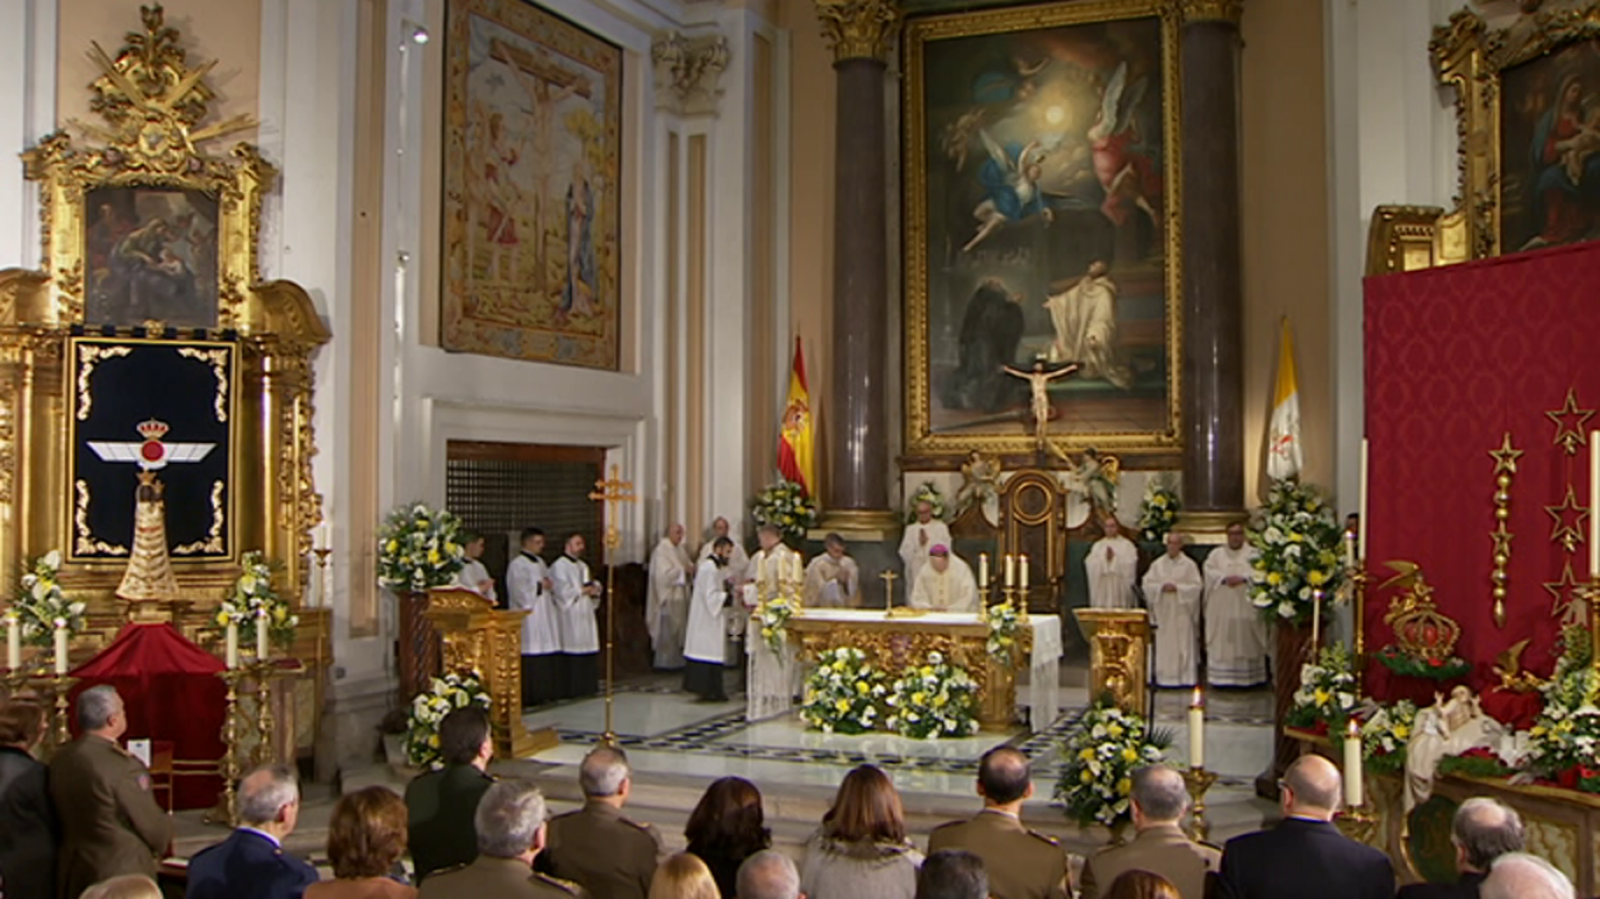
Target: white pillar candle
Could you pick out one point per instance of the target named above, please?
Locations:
(323, 540)
(1352, 766)
(1361, 510)
(1594, 504)
(797, 572)
(1350, 550)
(262, 649)
(1316, 621)
(1197, 731)
(1011, 571)
(61, 651)
(1022, 566)
(983, 571)
(13, 642)
(232, 655)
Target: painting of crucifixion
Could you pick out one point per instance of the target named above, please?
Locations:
(531, 205)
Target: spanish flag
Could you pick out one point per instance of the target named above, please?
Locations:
(1284, 457)
(796, 440)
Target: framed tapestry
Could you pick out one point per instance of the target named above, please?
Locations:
(532, 165)
(1041, 227)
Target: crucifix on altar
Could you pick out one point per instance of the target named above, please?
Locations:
(611, 490)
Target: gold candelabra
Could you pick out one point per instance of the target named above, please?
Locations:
(229, 800)
(1359, 823)
(57, 686)
(261, 671)
(611, 491)
(1199, 781)
(1358, 612)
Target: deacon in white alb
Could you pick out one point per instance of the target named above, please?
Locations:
(921, 535)
(1111, 567)
(666, 611)
(1172, 588)
(577, 597)
(832, 579)
(473, 575)
(946, 585)
(1236, 637)
(528, 587)
(705, 648)
(739, 562)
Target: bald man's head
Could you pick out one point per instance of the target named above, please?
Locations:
(1484, 830)
(1313, 784)
(1004, 776)
(1521, 876)
(1159, 795)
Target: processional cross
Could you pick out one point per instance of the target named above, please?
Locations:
(611, 491)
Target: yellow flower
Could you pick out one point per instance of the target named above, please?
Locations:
(1316, 577)
(842, 704)
(918, 698)
(1124, 786)
(1274, 578)
(840, 666)
(1401, 731)
(766, 632)
(1086, 753)
(927, 671)
(1114, 730)
(433, 557)
(1129, 754)
(1086, 777)
(1322, 696)
(940, 701)
(861, 687)
(393, 546)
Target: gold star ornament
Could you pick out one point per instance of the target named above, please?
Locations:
(1567, 598)
(1567, 521)
(1570, 421)
(1505, 458)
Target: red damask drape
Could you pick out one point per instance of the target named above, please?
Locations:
(1455, 358)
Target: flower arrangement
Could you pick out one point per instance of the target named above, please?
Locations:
(254, 598)
(1158, 513)
(1407, 665)
(842, 693)
(428, 708)
(929, 494)
(419, 548)
(786, 506)
(774, 615)
(936, 700)
(41, 606)
(1566, 735)
(1327, 693)
(1384, 736)
(1003, 622)
(1098, 761)
(1299, 545)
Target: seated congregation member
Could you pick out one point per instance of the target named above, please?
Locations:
(577, 599)
(124, 886)
(251, 863)
(529, 588)
(1483, 831)
(945, 584)
(683, 876)
(1021, 863)
(727, 827)
(440, 805)
(29, 832)
(366, 837)
(1305, 856)
(832, 579)
(769, 874)
(111, 823)
(1159, 801)
(597, 847)
(952, 874)
(1172, 588)
(1517, 875)
(510, 824)
(1141, 885)
(861, 849)
(705, 643)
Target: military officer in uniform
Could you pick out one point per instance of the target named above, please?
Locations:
(597, 847)
(1021, 863)
(441, 805)
(111, 823)
(1159, 801)
(511, 834)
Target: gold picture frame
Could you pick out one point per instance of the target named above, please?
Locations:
(1139, 391)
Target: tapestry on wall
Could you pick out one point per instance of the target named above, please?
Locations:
(532, 161)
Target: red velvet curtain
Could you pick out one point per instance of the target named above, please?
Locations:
(1455, 358)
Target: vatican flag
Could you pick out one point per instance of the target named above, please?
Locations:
(1283, 434)
(796, 441)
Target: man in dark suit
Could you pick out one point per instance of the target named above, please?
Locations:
(441, 804)
(1305, 856)
(251, 863)
(1483, 831)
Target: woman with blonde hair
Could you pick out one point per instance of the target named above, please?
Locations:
(366, 836)
(125, 886)
(683, 876)
(1142, 885)
(861, 848)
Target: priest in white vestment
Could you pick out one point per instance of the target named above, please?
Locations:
(705, 646)
(1110, 569)
(921, 535)
(473, 575)
(946, 585)
(1236, 637)
(739, 562)
(528, 587)
(772, 564)
(832, 579)
(666, 609)
(774, 677)
(577, 599)
(1172, 588)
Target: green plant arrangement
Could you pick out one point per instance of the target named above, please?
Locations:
(1565, 738)
(935, 700)
(842, 693)
(774, 615)
(1474, 765)
(1327, 692)
(428, 708)
(253, 599)
(1098, 761)
(1408, 665)
(419, 548)
(1384, 736)
(1299, 545)
(1158, 513)
(1004, 621)
(40, 605)
(929, 494)
(785, 506)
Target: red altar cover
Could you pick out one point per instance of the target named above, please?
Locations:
(172, 693)
(1455, 358)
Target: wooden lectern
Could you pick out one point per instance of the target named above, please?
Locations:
(1119, 652)
(479, 637)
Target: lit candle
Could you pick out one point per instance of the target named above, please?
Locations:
(1361, 510)
(1594, 509)
(1350, 549)
(1197, 730)
(1352, 766)
(1022, 568)
(1316, 620)
(61, 650)
(13, 641)
(1011, 571)
(983, 571)
(262, 649)
(232, 656)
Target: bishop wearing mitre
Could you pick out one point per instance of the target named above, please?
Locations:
(832, 579)
(920, 537)
(1172, 588)
(666, 611)
(738, 567)
(1110, 568)
(946, 585)
(1236, 637)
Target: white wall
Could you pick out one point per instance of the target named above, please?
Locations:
(27, 114)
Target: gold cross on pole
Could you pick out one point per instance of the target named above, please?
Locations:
(888, 589)
(611, 491)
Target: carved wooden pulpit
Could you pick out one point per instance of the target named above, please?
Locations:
(1033, 515)
(476, 636)
(1119, 653)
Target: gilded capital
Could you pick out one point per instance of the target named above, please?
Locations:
(858, 29)
(688, 72)
(1211, 10)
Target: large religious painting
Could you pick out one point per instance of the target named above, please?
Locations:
(532, 160)
(1550, 149)
(150, 255)
(1041, 227)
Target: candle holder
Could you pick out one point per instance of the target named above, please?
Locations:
(262, 671)
(322, 553)
(56, 686)
(228, 802)
(1359, 824)
(1199, 781)
(1358, 600)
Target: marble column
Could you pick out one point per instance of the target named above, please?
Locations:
(856, 495)
(1213, 332)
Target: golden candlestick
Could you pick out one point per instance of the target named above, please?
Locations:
(611, 490)
(322, 553)
(1359, 824)
(57, 686)
(889, 578)
(262, 671)
(229, 800)
(1358, 602)
(1198, 781)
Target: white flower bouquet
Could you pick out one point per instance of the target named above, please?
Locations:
(428, 708)
(774, 615)
(1098, 760)
(1385, 733)
(41, 606)
(929, 494)
(1299, 545)
(842, 693)
(254, 599)
(935, 700)
(785, 506)
(1327, 693)
(1003, 622)
(1158, 513)
(419, 548)
(1565, 738)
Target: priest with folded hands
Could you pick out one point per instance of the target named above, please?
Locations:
(1172, 589)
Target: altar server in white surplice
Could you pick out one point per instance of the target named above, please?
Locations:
(473, 575)
(946, 585)
(1110, 569)
(773, 677)
(705, 646)
(1172, 589)
(666, 611)
(528, 586)
(739, 562)
(832, 579)
(1236, 637)
(921, 535)
(577, 598)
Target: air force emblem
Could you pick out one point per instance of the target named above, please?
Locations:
(152, 454)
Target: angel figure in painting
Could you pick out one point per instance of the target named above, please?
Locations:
(1011, 180)
(1125, 174)
(1095, 478)
(1039, 383)
(980, 485)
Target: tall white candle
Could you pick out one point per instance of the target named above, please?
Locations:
(13, 642)
(1011, 570)
(1197, 730)
(797, 571)
(1349, 550)
(61, 651)
(1352, 766)
(1594, 504)
(983, 571)
(1361, 510)
(1316, 621)
(1022, 566)
(232, 655)
(262, 648)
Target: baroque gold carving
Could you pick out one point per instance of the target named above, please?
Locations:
(213, 542)
(90, 356)
(1212, 10)
(688, 71)
(1118, 649)
(859, 29)
(1505, 465)
(1556, 841)
(87, 541)
(218, 360)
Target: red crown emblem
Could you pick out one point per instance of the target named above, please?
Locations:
(152, 429)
